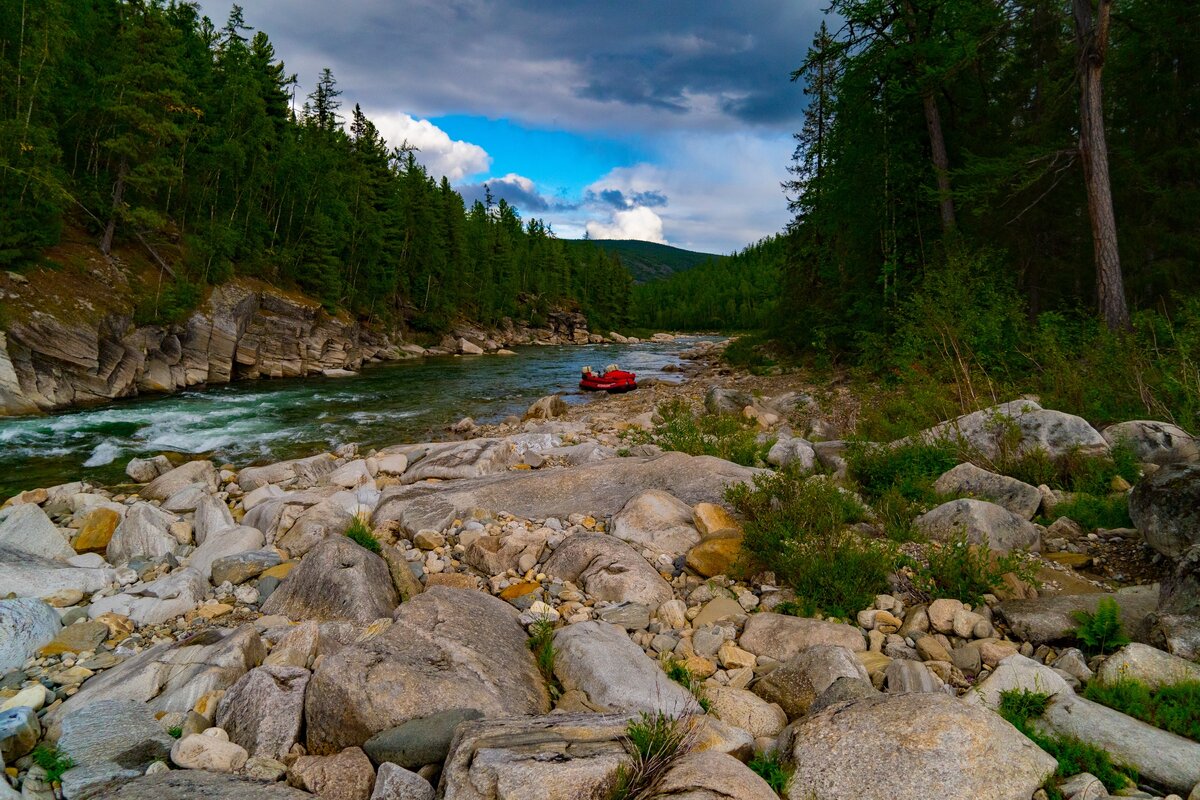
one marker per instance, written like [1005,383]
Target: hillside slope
[649,261]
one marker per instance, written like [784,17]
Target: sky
[664,120]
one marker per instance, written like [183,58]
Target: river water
[270,420]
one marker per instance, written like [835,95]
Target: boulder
[96,531]
[601,488]
[337,580]
[1052,432]
[563,756]
[19,732]
[781,637]
[169,483]
[1160,757]
[421,741]
[967,479]
[718,400]
[192,784]
[711,519]
[608,569]
[746,710]
[144,470]
[913,747]
[28,576]
[1177,622]
[459,460]
[448,648]
[210,751]
[601,661]
[1155,442]
[547,407]
[347,775]
[173,676]
[393,782]
[26,529]
[212,516]
[142,534]
[903,675]
[223,544]
[297,647]
[789,452]
[263,711]
[983,523]
[76,638]
[26,624]
[1052,618]
[655,520]
[124,732]
[323,520]
[351,474]
[1165,508]
[796,683]
[241,567]
[469,348]
[716,555]
[152,603]
[1147,665]
[495,555]
[297,473]
[707,775]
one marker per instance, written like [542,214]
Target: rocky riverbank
[486,618]
[88,349]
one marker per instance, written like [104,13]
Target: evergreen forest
[187,141]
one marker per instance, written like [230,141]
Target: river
[270,420]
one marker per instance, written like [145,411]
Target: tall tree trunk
[118,193]
[933,122]
[1091,36]
[941,162]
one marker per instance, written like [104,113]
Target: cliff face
[51,361]
[68,339]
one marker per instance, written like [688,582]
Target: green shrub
[896,513]
[654,743]
[907,469]
[541,643]
[749,351]
[1174,708]
[722,435]
[967,572]
[1020,707]
[360,533]
[771,767]
[798,528]
[677,671]
[909,401]
[167,305]
[175,731]
[1093,512]
[48,757]
[1101,631]
[1075,471]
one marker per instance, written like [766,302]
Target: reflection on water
[272,420]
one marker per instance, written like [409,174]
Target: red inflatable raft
[612,380]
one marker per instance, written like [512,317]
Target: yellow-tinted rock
[98,527]
[206,706]
[76,638]
[119,626]
[214,611]
[711,520]
[280,571]
[715,556]
[872,661]
[519,590]
[455,580]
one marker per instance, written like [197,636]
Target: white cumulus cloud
[437,152]
[633,223]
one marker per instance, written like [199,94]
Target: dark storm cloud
[516,191]
[696,64]
[615,198]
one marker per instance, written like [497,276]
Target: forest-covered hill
[144,123]
[650,261]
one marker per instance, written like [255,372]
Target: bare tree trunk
[118,192]
[941,162]
[1091,36]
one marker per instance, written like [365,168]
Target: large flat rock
[601,488]
[190,784]
[913,747]
[1051,619]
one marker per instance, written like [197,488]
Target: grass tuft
[48,757]
[1020,707]
[360,533]
[771,767]
[654,742]
[722,435]
[677,671]
[1174,708]
[1091,512]
[967,572]
[541,643]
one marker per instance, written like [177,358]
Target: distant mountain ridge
[649,261]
